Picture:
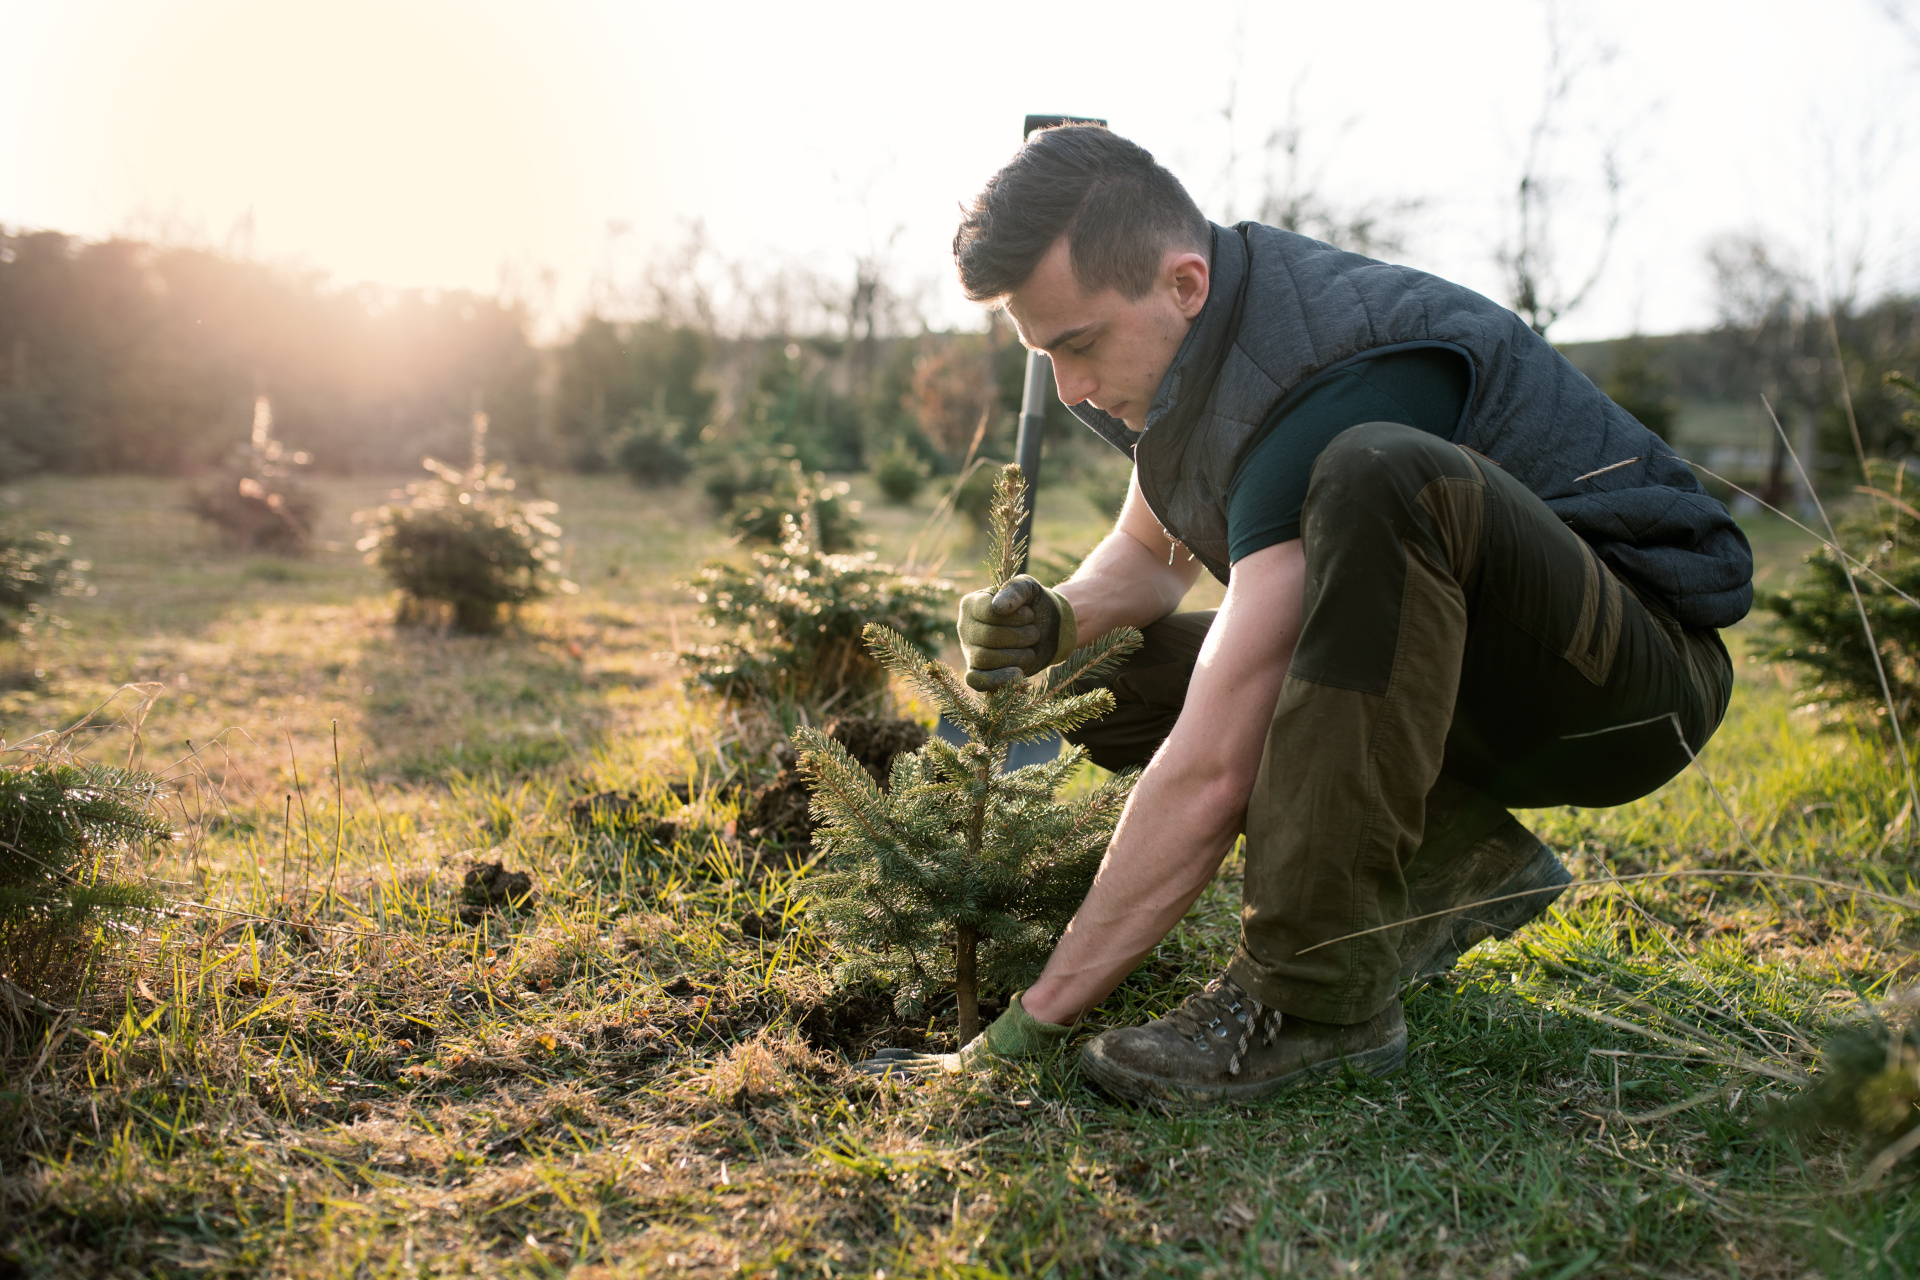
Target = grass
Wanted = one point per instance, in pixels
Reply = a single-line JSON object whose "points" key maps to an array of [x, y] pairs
{"points": [[323, 1072]]}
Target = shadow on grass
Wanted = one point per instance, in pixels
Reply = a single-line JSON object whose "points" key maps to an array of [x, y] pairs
{"points": [[505, 705]]}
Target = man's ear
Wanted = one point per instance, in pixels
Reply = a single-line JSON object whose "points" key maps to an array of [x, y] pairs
{"points": [[1187, 275]]}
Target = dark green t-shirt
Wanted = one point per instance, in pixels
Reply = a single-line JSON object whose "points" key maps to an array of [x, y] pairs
{"points": [[1424, 388]]}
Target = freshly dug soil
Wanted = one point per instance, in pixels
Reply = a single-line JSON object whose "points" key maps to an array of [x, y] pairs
{"points": [[622, 814], [778, 814], [491, 886]]}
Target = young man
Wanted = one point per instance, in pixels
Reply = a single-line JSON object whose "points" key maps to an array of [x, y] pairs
{"points": [[1458, 577]]}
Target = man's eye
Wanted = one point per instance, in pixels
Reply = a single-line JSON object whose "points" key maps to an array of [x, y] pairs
{"points": [[1083, 348]]}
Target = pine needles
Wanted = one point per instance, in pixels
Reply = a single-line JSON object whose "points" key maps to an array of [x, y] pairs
{"points": [[465, 550], [961, 873], [789, 629], [60, 826]]}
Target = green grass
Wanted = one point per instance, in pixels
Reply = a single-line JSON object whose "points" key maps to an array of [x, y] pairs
{"points": [[323, 1072]]}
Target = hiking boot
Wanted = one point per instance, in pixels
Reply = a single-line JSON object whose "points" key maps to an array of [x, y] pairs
{"points": [[1483, 878], [1222, 1044]]}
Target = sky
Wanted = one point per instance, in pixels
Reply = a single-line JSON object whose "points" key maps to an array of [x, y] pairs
{"points": [[554, 149]]}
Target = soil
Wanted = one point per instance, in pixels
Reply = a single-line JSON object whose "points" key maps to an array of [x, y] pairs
{"points": [[623, 814], [491, 886], [779, 814]]}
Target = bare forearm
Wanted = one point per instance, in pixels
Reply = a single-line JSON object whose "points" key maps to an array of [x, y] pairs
{"points": [[1192, 800], [1169, 844]]}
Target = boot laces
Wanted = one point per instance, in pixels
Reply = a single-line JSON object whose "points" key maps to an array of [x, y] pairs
{"points": [[1220, 1009]]}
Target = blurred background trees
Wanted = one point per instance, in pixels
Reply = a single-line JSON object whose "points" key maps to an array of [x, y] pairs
{"points": [[122, 356]]}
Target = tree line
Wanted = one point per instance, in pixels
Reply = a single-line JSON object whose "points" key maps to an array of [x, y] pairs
{"points": [[123, 356]]}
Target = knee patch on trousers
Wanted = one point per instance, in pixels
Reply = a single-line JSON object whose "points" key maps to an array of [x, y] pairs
{"points": [[1379, 465]]}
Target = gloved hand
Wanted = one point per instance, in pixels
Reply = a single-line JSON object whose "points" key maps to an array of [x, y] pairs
{"points": [[1015, 632], [1014, 1034]]}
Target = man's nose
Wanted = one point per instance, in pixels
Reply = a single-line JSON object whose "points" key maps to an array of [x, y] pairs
{"points": [[1073, 384]]}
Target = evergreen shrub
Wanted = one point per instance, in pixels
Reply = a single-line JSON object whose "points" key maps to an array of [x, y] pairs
{"points": [[786, 491], [960, 875], [1817, 625], [465, 551], [786, 629], [901, 474], [63, 828], [34, 567], [650, 451], [258, 500], [1868, 1086]]}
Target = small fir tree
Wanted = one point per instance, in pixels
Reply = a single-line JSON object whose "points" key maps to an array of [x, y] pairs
{"points": [[63, 825], [465, 548], [788, 628], [258, 500], [959, 872], [33, 568]]}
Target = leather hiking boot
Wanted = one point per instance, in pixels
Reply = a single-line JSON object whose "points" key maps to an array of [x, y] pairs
{"points": [[1223, 1044], [1483, 878]]}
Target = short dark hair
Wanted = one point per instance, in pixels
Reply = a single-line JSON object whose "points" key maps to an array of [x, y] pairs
{"points": [[1119, 210]]}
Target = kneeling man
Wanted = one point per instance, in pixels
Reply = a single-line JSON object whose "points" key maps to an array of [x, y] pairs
{"points": [[1459, 578]]}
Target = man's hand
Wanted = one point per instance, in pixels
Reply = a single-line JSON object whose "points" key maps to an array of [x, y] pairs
{"points": [[1014, 1034], [1015, 632]]}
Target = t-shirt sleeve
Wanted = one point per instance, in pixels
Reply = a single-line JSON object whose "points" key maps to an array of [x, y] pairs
{"points": [[1425, 388]]}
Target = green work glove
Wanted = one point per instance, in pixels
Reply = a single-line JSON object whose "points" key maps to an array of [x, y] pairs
{"points": [[1014, 1034], [1015, 632]]}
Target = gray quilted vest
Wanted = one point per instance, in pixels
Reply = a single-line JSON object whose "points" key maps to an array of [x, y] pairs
{"points": [[1284, 309]]}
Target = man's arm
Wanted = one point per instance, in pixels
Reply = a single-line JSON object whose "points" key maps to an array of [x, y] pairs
{"points": [[1191, 802], [1135, 577]]}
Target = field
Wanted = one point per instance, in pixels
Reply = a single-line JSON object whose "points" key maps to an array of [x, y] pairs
{"points": [[321, 1070]]}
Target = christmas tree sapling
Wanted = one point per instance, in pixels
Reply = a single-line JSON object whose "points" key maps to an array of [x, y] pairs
{"points": [[961, 873]]}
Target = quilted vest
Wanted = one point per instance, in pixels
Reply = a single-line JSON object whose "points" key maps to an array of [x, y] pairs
{"points": [[1284, 309]]}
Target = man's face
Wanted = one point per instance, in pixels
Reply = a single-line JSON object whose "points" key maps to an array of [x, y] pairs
{"points": [[1109, 349]]}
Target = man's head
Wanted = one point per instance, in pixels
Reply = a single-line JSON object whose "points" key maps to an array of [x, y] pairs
{"points": [[1099, 255]]}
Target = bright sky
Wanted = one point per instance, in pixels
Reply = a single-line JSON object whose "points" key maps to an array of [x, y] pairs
{"points": [[471, 142]]}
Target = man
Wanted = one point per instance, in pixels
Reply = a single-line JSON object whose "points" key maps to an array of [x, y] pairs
{"points": [[1458, 577]]}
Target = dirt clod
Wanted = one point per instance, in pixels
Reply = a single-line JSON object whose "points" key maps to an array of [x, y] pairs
{"points": [[620, 813], [780, 812], [490, 886]]}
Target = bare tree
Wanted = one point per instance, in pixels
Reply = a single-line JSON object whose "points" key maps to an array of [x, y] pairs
{"points": [[1294, 198], [1292, 192], [1538, 285], [1766, 314]]}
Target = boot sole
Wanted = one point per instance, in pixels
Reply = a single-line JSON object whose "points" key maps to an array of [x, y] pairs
{"points": [[1542, 880], [1137, 1086]]}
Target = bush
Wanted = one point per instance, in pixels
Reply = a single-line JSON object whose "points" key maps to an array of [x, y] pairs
{"points": [[464, 551], [974, 499], [1818, 624], [64, 825], [649, 451], [901, 474], [787, 492], [1868, 1086], [258, 500], [33, 568], [787, 629]]}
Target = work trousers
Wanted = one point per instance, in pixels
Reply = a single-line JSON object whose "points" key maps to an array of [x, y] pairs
{"points": [[1461, 651]]}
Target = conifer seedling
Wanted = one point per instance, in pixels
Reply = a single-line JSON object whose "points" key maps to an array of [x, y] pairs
{"points": [[959, 873]]}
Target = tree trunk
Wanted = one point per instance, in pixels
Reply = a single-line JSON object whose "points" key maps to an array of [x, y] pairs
{"points": [[966, 987]]}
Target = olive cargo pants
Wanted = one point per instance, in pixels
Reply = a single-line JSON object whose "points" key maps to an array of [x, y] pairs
{"points": [[1462, 650]]}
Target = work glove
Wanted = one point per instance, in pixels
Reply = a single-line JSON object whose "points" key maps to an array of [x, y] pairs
{"points": [[1014, 1034], [1015, 632]]}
